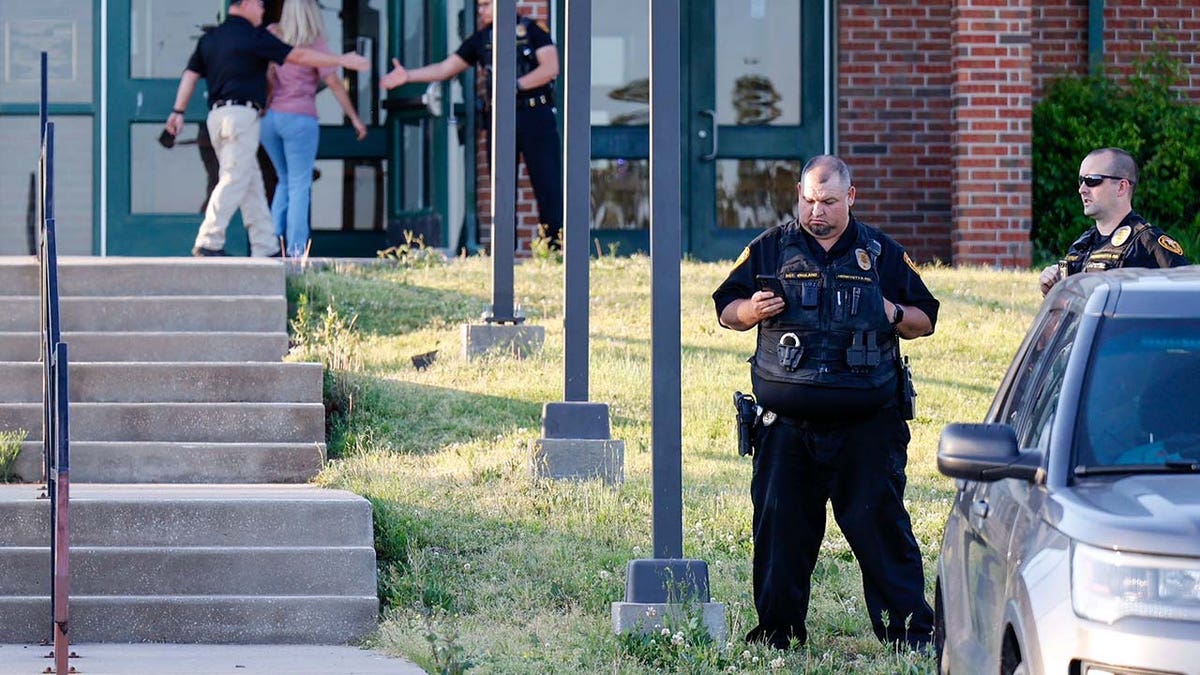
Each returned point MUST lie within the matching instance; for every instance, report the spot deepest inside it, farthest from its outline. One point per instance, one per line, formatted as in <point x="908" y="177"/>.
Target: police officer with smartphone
<point x="536" y="126"/>
<point x="830" y="381"/>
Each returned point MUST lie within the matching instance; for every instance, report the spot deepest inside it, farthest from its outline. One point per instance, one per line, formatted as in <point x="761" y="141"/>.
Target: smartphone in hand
<point x="768" y="282"/>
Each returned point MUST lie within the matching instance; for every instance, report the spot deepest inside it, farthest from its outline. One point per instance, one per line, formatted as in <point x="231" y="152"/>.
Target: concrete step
<point x="250" y="313"/>
<point x="149" y="571"/>
<point x="118" y="462"/>
<point x="179" y="422"/>
<point x="208" y="346"/>
<point x="174" y="382"/>
<point x="190" y="515"/>
<point x="93" y="276"/>
<point x="292" y="619"/>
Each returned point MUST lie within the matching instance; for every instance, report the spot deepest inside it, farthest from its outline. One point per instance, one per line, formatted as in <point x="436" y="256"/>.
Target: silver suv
<point x="1073" y="546"/>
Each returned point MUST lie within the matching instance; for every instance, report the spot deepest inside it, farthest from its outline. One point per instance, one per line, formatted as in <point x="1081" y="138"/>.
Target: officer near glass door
<point x="831" y="298"/>
<point x="536" y="127"/>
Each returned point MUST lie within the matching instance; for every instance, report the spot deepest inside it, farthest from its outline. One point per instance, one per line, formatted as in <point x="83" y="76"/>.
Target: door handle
<point x="430" y="101"/>
<point x="979" y="509"/>
<point x="712" y="117"/>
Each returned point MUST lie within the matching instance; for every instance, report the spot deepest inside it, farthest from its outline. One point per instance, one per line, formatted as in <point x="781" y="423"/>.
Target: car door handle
<point x="979" y="509"/>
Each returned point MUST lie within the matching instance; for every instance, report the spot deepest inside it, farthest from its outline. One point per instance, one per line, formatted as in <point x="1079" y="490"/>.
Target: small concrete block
<point x="575" y="419"/>
<point x="519" y="340"/>
<point x="645" y="617"/>
<point x="578" y="459"/>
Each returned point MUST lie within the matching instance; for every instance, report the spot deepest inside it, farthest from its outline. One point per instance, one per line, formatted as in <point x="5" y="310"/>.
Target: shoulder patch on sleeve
<point x="911" y="264"/>
<point x="745" y="255"/>
<point x="1170" y="244"/>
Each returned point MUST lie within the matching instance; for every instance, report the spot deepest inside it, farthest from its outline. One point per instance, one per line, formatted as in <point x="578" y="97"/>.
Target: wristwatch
<point x="898" y="316"/>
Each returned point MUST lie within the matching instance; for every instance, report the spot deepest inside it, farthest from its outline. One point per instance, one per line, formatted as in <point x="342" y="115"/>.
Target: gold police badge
<point x="742" y="258"/>
<point x="912" y="265"/>
<point x="1170" y="244"/>
<point x="864" y="260"/>
<point x="1121" y="235"/>
<point x="521" y="30"/>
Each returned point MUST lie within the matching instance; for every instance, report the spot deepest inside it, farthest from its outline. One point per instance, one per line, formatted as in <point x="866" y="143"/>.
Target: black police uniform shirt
<point x="898" y="280"/>
<point x="477" y="49"/>
<point x="233" y="59"/>
<point x="1134" y="243"/>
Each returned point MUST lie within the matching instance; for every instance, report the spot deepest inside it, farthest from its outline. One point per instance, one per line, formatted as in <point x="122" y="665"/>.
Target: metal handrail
<point x="55" y="413"/>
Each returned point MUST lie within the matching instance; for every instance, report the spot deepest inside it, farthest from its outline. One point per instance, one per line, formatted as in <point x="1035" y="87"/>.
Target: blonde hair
<point x="300" y="23"/>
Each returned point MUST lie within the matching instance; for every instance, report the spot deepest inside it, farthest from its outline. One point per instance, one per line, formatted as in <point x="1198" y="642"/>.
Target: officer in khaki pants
<point x="233" y="59"/>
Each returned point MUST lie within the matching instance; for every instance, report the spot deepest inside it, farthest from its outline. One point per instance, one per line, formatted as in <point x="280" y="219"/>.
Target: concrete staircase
<point x="191" y="443"/>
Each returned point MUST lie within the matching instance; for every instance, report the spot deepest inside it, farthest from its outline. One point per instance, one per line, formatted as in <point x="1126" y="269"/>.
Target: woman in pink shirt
<point x="290" y="129"/>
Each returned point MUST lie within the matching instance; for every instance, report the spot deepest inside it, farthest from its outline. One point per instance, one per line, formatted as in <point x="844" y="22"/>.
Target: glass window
<point x="175" y="180"/>
<point x="620" y="194"/>
<point x="754" y="194"/>
<point x="758" y="62"/>
<point x="1140" y="404"/>
<point x="620" y="63"/>
<point x="363" y="180"/>
<point x="163" y="35"/>
<point x="72" y="182"/>
<point x="61" y="28"/>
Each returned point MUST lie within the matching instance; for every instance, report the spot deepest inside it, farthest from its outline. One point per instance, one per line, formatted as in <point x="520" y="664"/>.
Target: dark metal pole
<point x="62" y="521"/>
<point x="504" y="158"/>
<point x="665" y="215"/>
<point x="577" y="184"/>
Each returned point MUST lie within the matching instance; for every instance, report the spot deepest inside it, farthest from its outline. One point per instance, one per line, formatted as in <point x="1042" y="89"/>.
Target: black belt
<point x="533" y="101"/>
<point x="229" y="101"/>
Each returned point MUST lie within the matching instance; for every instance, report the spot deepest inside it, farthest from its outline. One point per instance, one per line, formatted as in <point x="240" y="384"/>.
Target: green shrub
<point x="1147" y="116"/>
<point x="10" y="447"/>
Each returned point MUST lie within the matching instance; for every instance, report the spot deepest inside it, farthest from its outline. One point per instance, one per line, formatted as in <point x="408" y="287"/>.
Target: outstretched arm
<point x="436" y="72"/>
<point x="315" y="58"/>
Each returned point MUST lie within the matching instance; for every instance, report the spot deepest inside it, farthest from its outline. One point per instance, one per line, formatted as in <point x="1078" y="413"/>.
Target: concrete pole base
<point x="518" y="340"/>
<point x="651" y="617"/>
<point x="578" y="459"/>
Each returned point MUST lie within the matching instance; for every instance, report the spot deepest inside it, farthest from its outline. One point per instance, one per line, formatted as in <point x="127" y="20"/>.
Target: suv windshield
<point x="1141" y="397"/>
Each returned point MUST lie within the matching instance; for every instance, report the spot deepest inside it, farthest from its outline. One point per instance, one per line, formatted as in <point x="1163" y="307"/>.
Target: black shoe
<point x="201" y="252"/>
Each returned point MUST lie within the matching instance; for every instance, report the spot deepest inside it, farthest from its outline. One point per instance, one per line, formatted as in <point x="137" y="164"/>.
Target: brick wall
<point x="894" y="118"/>
<point x="526" y="206"/>
<point x="1135" y="28"/>
<point x="1059" y="41"/>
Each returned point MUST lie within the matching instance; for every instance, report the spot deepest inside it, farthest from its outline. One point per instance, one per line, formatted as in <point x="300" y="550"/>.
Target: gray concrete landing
<point x="172" y="659"/>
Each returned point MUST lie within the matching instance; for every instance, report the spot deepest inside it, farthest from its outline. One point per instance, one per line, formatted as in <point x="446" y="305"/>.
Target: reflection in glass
<point x="348" y="194"/>
<point x="62" y="29"/>
<point x="620" y="194"/>
<point x="754" y="194"/>
<point x="418" y="137"/>
<point x="72" y="185"/>
<point x="171" y="180"/>
<point x="163" y="35"/>
<point x="758" y="62"/>
<point x="620" y="63"/>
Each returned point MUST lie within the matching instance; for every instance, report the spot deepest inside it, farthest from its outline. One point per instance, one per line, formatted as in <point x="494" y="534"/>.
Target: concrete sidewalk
<point x="174" y="659"/>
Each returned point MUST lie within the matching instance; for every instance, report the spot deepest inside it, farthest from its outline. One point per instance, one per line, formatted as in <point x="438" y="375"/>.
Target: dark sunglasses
<point x="1094" y="179"/>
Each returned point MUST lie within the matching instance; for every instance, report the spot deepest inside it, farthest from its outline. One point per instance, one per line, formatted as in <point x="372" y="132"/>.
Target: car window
<point x="1054" y="334"/>
<point x="1034" y="430"/>
<point x="1140" y="402"/>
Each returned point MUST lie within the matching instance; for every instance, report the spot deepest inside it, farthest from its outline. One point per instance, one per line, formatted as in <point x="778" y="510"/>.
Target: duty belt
<point x="533" y="101"/>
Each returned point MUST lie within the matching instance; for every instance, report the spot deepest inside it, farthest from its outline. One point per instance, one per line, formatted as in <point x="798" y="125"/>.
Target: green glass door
<point x="755" y="113"/>
<point x="156" y="195"/>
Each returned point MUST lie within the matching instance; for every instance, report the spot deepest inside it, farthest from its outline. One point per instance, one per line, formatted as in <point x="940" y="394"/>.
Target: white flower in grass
<point x="677" y="639"/>
<point x="746" y="654"/>
<point x="666" y="632"/>
<point x="651" y="612"/>
<point x="778" y="662"/>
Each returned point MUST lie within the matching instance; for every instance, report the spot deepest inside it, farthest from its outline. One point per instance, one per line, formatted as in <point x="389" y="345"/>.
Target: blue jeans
<point x="291" y="142"/>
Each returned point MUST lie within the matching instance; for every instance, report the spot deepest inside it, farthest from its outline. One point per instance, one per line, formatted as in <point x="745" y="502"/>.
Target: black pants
<point x="860" y="469"/>
<point x="538" y="144"/>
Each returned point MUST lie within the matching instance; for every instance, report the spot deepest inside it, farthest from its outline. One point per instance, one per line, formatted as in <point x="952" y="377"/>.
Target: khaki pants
<point x="234" y="131"/>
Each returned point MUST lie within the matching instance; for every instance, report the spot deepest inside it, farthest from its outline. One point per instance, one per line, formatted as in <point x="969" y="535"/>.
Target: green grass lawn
<point x="482" y="567"/>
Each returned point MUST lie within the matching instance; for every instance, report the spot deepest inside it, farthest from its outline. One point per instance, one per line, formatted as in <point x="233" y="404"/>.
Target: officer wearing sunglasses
<point x="1120" y="237"/>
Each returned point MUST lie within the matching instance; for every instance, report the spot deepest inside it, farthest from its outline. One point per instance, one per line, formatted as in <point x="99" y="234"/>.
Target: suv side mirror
<point x="985" y="452"/>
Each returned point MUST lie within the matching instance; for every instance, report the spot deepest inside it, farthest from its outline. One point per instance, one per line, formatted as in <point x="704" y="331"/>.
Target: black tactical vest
<point x="832" y="352"/>
<point x="526" y="59"/>
<point x="1081" y="257"/>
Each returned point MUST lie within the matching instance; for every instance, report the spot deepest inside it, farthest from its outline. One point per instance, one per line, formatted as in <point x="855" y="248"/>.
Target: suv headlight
<point x="1108" y="585"/>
